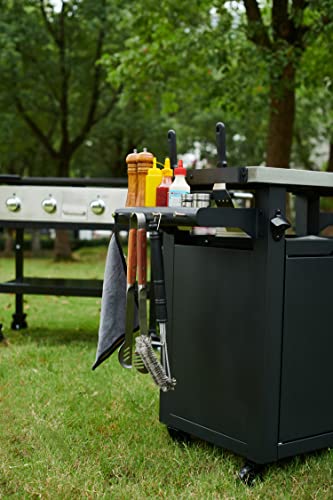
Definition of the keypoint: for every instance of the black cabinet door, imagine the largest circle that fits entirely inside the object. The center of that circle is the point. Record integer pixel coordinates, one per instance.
(211, 333)
(307, 354)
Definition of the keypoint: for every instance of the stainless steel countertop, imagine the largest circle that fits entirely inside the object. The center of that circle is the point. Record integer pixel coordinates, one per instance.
(288, 176)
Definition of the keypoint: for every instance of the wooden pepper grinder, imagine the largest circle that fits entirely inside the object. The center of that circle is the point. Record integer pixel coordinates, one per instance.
(145, 161)
(132, 174)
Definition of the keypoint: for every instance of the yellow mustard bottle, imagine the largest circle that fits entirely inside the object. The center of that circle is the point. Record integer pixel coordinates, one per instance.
(153, 180)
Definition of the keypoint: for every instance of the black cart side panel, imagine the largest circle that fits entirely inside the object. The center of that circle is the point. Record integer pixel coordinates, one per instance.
(307, 376)
(211, 367)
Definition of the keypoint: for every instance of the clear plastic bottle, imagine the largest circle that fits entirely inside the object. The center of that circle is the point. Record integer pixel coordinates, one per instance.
(179, 186)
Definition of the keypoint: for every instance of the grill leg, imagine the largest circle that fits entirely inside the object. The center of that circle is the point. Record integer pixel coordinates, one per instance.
(19, 321)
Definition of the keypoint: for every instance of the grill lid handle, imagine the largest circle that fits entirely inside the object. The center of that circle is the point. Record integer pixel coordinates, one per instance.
(221, 145)
(172, 148)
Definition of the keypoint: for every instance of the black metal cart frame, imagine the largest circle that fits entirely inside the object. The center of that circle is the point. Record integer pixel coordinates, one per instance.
(249, 335)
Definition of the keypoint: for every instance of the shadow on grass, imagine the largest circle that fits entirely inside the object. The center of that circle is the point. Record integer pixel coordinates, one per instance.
(281, 468)
(50, 336)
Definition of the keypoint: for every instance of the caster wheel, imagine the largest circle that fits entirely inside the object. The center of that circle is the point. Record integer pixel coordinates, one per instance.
(178, 436)
(249, 473)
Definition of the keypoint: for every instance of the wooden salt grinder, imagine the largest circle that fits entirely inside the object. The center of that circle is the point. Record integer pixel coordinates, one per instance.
(145, 161)
(132, 174)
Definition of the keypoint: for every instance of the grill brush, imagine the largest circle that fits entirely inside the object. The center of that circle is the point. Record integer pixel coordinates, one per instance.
(156, 370)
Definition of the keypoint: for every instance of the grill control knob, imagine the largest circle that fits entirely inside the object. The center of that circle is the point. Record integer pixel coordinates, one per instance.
(13, 204)
(97, 207)
(49, 205)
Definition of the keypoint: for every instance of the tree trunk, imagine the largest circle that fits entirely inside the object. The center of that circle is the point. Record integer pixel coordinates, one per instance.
(62, 247)
(63, 166)
(9, 242)
(281, 121)
(35, 242)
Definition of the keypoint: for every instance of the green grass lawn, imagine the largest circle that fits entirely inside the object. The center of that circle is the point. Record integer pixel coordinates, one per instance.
(68, 432)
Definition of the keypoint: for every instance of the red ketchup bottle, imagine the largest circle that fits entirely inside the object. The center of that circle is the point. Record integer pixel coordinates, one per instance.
(162, 191)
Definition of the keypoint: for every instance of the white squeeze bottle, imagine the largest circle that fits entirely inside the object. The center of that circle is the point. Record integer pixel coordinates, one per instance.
(179, 186)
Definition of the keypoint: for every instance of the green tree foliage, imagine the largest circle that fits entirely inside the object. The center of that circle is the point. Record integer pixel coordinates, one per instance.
(283, 31)
(196, 63)
(186, 65)
(51, 79)
(81, 87)
(314, 123)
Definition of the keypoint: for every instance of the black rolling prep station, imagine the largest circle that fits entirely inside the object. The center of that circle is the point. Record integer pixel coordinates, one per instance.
(57, 203)
(249, 316)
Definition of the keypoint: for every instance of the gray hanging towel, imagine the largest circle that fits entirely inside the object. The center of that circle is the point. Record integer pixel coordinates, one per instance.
(113, 310)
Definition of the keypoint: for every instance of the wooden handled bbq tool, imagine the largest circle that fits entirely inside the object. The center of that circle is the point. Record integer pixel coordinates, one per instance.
(142, 285)
(125, 352)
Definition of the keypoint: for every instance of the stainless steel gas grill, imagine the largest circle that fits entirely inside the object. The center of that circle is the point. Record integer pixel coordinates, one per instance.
(249, 318)
(55, 203)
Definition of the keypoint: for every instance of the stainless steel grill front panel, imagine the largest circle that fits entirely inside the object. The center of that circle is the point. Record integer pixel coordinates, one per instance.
(60, 204)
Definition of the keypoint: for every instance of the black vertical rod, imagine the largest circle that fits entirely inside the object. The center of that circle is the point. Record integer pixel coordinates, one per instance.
(152, 315)
(19, 253)
(301, 216)
(221, 145)
(307, 214)
(172, 143)
(19, 316)
(314, 215)
(19, 270)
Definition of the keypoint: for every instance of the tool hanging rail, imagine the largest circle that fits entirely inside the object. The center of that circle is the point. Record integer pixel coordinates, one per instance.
(248, 219)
